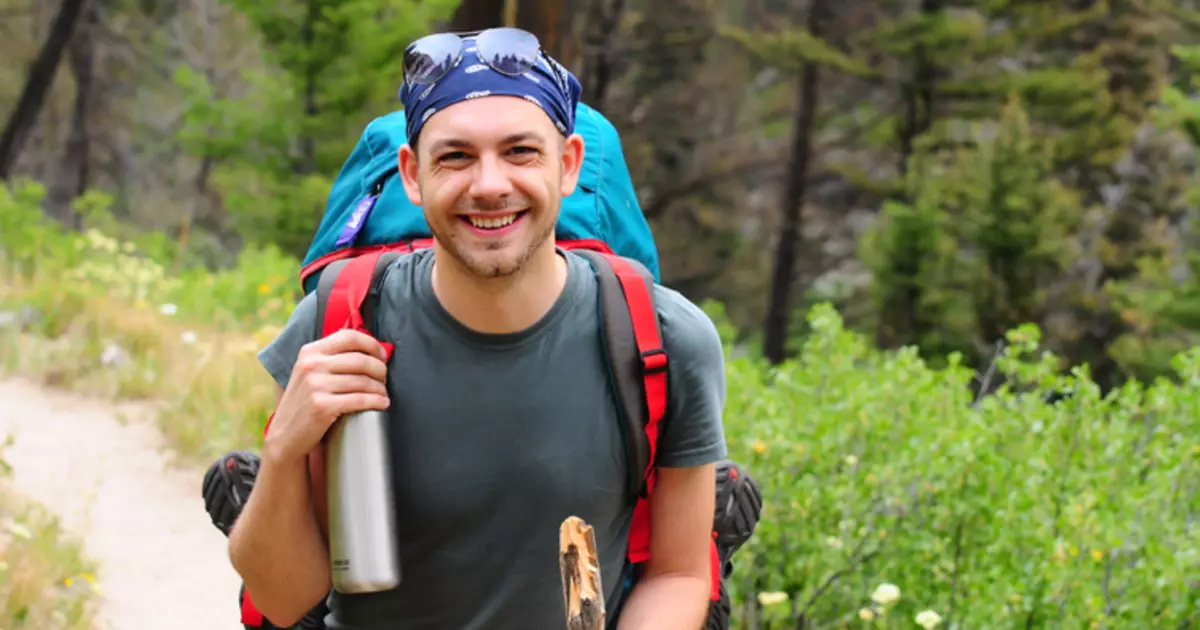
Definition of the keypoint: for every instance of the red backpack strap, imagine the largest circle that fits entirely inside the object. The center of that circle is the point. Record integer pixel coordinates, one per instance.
(348, 300)
(638, 363)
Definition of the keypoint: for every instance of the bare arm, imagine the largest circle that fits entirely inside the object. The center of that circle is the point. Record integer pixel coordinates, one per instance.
(276, 545)
(672, 593)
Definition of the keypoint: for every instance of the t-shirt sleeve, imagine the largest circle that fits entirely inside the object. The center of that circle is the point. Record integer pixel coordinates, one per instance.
(692, 433)
(279, 356)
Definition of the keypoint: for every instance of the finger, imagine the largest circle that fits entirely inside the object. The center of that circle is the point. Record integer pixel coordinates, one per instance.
(349, 384)
(348, 340)
(356, 363)
(331, 406)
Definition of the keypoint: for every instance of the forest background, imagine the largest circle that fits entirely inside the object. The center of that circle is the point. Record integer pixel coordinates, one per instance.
(980, 215)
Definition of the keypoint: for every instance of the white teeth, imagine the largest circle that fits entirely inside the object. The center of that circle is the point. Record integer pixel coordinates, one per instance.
(492, 223)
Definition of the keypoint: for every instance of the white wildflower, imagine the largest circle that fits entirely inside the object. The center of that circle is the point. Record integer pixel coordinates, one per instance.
(19, 530)
(168, 309)
(189, 337)
(866, 614)
(928, 619)
(886, 594)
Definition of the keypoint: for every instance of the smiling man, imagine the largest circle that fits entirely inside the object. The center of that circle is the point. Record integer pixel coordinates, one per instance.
(503, 422)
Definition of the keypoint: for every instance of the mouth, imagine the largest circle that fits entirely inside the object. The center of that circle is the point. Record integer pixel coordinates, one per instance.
(493, 222)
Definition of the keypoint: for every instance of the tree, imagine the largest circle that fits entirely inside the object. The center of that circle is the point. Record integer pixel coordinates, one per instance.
(278, 147)
(37, 84)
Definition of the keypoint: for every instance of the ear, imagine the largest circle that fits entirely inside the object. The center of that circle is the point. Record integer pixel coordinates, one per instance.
(407, 159)
(572, 161)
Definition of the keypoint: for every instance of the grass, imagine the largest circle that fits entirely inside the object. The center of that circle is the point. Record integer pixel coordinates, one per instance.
(46, 583)
(212, 394)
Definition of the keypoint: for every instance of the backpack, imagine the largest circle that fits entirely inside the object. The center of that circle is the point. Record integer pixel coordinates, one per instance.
(602, 214)
(369, 222)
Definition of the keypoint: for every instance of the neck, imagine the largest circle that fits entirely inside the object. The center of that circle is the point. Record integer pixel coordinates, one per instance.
(500, 305)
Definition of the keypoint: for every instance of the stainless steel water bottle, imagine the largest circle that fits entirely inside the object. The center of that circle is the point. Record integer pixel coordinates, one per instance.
(364, 552)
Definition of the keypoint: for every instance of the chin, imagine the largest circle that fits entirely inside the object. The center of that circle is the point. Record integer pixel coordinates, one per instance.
(497, 259)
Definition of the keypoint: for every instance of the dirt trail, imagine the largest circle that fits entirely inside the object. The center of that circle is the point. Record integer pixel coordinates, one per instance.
(161, 562)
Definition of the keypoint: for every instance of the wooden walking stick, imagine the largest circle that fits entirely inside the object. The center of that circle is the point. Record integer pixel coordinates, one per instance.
(580, 567)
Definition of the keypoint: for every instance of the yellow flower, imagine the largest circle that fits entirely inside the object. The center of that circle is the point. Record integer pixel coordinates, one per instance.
(866, 614)
(263, 289)
(759, 447)
(68, 582)
(1097, 555)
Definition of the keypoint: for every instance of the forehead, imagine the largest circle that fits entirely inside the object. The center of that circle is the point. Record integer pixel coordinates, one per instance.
(487, 120)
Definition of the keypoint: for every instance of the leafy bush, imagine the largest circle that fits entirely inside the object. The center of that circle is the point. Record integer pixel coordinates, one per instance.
(1044, 505)
(135, 270)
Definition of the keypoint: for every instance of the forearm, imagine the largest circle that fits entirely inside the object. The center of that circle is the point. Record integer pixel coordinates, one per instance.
(275, 545)
(666, 602)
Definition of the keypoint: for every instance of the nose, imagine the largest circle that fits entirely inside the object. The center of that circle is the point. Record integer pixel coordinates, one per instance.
(491, 182)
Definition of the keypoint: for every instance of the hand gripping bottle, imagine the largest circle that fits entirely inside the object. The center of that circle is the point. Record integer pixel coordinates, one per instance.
(363, 549)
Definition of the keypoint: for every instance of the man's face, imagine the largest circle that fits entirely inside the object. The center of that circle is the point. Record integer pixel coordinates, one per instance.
(490, 174)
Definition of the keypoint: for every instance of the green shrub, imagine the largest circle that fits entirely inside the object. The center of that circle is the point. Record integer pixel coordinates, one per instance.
(1044, 505)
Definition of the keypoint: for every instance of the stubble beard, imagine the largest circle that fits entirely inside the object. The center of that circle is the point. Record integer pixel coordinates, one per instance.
(485, 267)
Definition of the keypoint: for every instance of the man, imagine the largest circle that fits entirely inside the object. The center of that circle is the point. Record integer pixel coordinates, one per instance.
(502, 419)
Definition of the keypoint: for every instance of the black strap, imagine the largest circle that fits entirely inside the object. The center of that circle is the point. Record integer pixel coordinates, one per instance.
(624, 364)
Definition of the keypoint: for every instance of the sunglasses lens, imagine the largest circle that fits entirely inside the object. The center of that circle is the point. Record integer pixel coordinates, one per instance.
(430, 58)
(508, 50)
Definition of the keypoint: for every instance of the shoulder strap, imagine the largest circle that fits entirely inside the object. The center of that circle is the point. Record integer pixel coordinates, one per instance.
(638, 363)
(348, 293)
(637, 360)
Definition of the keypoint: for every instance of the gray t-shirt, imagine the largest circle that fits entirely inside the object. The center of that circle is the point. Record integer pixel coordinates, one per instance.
(496, 438)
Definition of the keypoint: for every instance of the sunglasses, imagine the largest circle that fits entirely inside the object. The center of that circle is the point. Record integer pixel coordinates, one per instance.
(507, 50)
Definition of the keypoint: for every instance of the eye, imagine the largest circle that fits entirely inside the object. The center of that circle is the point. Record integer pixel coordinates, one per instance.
(452, 156)
(524, 151)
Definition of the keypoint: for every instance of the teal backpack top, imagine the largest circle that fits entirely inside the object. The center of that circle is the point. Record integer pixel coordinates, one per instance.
(368, 210)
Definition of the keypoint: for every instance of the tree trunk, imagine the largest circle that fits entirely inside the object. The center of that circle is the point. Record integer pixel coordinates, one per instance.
(308, 35)
(476, 15)
(604, 16)
(37, 85)
(779, 305)
(71, 179)
(918, 94)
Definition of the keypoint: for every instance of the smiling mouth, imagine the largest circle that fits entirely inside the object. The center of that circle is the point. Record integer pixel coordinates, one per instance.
(493, 222)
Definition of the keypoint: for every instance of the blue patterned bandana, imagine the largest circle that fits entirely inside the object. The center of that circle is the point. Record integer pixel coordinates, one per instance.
(547, 83)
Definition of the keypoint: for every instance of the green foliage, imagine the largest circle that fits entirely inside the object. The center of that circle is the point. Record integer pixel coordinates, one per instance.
(1160, 303)
(978, 249)
(1009, 511)
(793, 47)
(258, 290)
(335, 66)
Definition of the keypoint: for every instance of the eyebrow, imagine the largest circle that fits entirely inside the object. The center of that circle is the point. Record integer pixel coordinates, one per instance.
(456, 143)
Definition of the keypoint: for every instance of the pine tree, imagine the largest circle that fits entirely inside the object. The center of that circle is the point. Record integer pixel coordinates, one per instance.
(333, 66)
(980, 248)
